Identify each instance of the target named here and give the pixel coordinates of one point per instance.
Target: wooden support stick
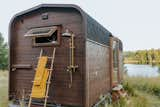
(30, 101)
(49, 79)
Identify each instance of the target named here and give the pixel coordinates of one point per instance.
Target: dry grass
(148, 85)
(144, 92)
(3, 88)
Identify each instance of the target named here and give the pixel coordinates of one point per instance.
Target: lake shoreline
(142, 70)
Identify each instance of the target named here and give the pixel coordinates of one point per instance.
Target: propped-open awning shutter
(41, 32)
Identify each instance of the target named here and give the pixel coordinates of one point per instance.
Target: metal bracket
(71, 69)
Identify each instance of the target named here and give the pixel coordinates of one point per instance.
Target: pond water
(142, 70)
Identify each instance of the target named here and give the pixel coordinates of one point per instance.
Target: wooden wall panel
(97, 69)
(23, 52)
(120, 66)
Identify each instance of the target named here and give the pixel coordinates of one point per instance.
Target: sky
(135, 22)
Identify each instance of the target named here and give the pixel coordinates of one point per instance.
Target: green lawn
(3, 88)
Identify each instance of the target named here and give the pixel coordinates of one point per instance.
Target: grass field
(149, 85)
(3, 88)
(144, 92)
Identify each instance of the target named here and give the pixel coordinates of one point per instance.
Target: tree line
(151, 56)
(3, 54)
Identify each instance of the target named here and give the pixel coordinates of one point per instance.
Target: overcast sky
(135, 22)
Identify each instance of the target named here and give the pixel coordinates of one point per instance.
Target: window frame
(48, 44)
(112, 39)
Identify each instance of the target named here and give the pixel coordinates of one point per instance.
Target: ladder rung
(48, 57)
(33, 81)
(46, 96)
(47, 69)
(48, 82)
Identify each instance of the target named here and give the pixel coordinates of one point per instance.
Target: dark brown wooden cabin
(98, 55)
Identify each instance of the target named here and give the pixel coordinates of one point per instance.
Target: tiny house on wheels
(60, 56)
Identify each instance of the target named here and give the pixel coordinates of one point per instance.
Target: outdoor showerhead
(67, 33)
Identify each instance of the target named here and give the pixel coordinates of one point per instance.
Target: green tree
(151, 56)
(3, 53)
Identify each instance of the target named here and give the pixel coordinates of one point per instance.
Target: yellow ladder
(42, 77)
